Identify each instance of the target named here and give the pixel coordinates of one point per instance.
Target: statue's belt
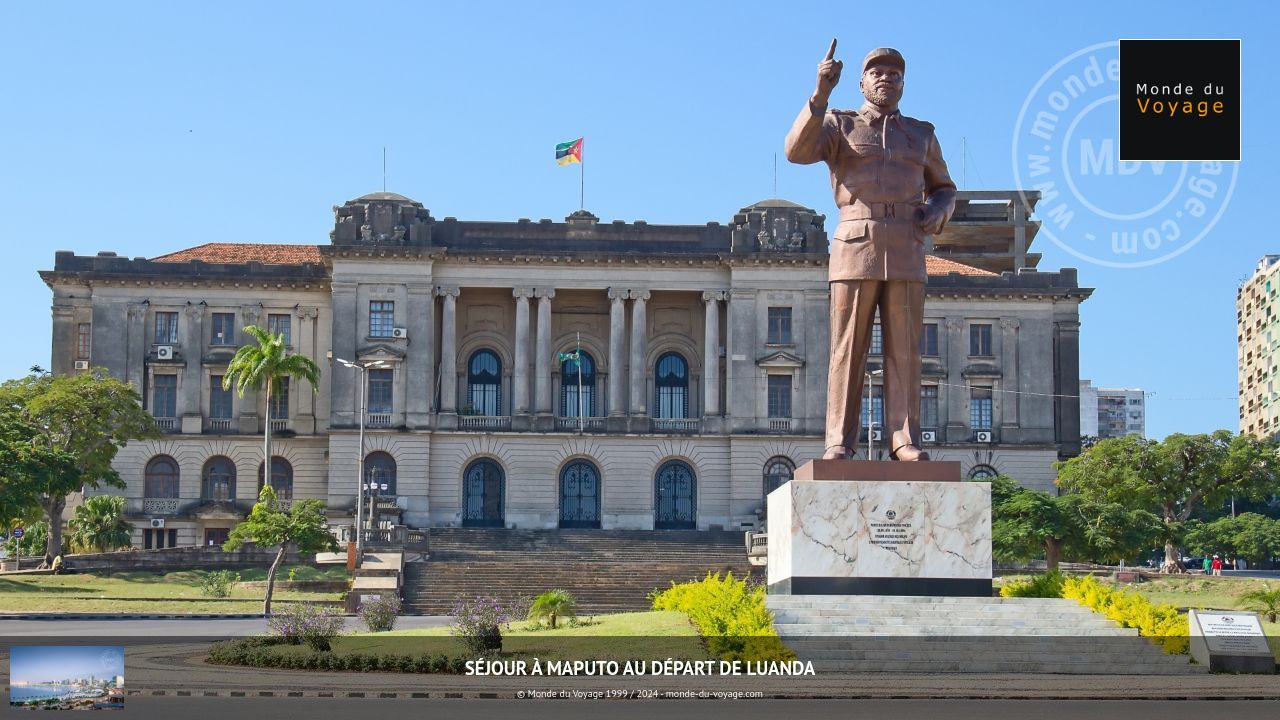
(875, 211)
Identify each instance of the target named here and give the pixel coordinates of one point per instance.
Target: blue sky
(40, 664)
(145, 128)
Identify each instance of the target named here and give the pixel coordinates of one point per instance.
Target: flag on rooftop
(569, 152)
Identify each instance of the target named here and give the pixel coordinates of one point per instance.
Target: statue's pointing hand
(828, 74)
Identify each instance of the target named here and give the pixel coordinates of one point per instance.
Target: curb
(512, 695)
(129, 616)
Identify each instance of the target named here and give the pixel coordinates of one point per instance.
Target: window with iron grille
(219, 399)
(380, 391)
(779, 396)
(980, 408)
(578, 375)
(779, 325)
(980, 339)
(278, 324)
(160, 479)
(224, 329)
(84, 335)
(778, 471)
(484, 383)
(928, 406)
(164, 396)
(166, 328)
(280, 399)
(381, 318)
(929, 339)
(672, 385)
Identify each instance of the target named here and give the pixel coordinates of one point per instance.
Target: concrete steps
(972, 635)
(611, 571)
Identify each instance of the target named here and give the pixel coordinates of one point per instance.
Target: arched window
(482, 495)
(484, 383)
(982, 472)
(281, 478)
(380, 468)
(672, 383)
(778, 471)
(161, 478)
(571, 380)
(675, 497)
(219, 481)
(580, 495)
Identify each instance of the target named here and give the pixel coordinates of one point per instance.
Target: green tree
(99, 525)
(76, 425)
(36, 535)
(1028, 523)
(552, 605)
(262, 366)
(1254, 537)
(302, 526)
(1171, 478)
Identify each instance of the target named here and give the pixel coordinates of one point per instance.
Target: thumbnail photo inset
(61, 677)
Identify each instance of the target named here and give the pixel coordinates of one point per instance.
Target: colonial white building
(700, 382)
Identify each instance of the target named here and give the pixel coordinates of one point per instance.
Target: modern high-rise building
(1257, 338)
(1112, 412)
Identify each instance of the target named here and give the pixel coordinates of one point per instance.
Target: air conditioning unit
(157, 522)
(164, 352)
(401, 333)
(877, 435)
(928, 436)
(82, 364)
(984, 436)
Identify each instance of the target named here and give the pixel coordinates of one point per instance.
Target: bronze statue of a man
(892, 188)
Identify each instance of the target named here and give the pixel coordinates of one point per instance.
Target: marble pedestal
(921, 533)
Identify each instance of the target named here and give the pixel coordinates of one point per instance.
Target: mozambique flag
(569, 152)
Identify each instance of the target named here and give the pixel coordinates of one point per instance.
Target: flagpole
(582, 183)
(578, 352)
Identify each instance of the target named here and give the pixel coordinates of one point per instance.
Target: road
(203, 627)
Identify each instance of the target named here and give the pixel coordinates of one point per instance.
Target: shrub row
(1162, 623)
(729, 614)
(1048, 585)
(260, 652)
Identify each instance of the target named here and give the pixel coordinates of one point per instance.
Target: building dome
(386, 196)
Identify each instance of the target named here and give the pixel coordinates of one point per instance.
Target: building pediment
(981, 370)
(214, 510)
(781, 360)
(932, 369)
(380, 351)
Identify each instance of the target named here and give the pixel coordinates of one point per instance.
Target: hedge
(1162, 623)
(259, 652)
(729, 615)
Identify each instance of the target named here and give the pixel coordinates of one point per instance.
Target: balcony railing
(278, 425)
(167, 424)
(484, 422)
(159, 506)
(781, 424)
(220, 425)
(676, 425)
(590, 424)
(377, 420)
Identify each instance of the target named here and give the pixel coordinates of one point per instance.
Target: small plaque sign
(1230, 641)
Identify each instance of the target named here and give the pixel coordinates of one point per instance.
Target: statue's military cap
(884, 55)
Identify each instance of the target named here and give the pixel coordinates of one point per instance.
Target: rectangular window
(224, 329)
(166, 328)
(381, 318)
(279, 324)
(84, 335)
(928, 406)
(164, 396)
(877, 339)
(873, 407)
(219, 399)
(980, 339)
(929, 340)
(779, 396)
(380, 391)
(779, 326)
(280, 399)
(980, 408)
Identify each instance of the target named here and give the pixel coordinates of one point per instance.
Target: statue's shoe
(909, 453)
(836, 452)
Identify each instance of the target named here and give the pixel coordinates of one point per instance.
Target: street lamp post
(871, 415)
(361, 371)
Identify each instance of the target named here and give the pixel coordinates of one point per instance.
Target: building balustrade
(220, 425)
(160, 506)
(676, 425)
(167, 424)
(589, 424)
(278, 425)
(377, 420)
(484, 422)
(781, 424)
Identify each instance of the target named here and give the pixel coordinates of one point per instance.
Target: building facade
(1112, 412)
(546, 374)
(1257, 340)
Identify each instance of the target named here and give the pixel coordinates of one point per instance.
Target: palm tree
(261, 366)
(99, 525)
(1265, 601)
(553, 604)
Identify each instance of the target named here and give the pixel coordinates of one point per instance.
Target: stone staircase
(607, 571)
(841, 633)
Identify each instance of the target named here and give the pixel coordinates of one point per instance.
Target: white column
(617, 340)
(542, 361)
(520, 373)
(711, 353)
(639, 334)
(449, 350)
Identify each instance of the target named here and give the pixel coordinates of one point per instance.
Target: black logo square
(1179, 100)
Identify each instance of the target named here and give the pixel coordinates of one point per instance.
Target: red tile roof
(266, 253)
(935, 265)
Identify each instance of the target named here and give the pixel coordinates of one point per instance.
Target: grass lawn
(142, 591)
(1210, 593)
(624, 636)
